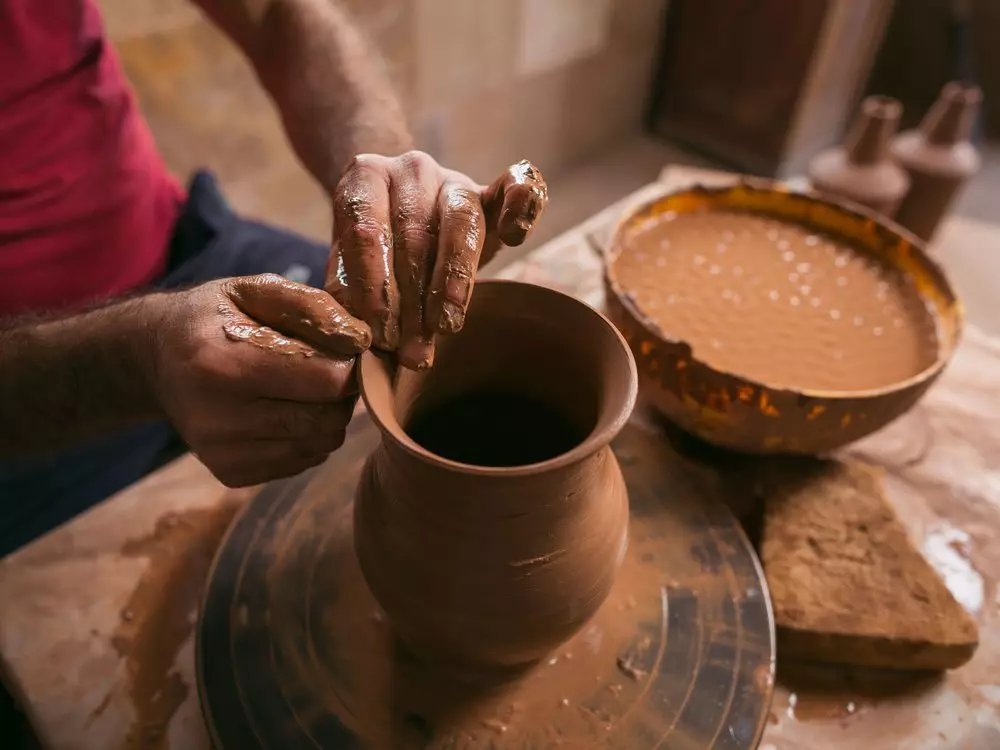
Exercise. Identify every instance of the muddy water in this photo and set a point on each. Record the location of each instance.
(777, 303)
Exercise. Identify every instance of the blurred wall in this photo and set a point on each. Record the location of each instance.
(485, 83)
(917, 57)
(552, 80)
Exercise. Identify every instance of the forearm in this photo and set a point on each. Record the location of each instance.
(329, 86)
(67, 378)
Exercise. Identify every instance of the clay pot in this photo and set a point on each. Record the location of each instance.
(939, 158)
(493, 536)
(862, 169)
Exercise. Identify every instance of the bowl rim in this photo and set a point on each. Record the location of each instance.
(853, 210)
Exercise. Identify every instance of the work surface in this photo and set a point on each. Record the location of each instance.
(97, 619)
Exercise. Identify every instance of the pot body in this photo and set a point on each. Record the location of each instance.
(491, 565)
(937, 174)
(862, 170)
(939, 158)
(489, 571)
(879, 186)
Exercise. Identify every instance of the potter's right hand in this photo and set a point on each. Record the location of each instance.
(409, 236)
(256, 374)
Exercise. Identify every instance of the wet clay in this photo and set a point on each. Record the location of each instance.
(296, 653)
(288, 318)
(515, 201)
(490, 565)
(158, 617)
(847, 584)
(776, 303)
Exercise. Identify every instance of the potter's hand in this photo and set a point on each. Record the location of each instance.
(409, 236)
(256, 374)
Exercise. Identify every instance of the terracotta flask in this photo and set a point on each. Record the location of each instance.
(862, 169)
(482, 569)
(938, 157)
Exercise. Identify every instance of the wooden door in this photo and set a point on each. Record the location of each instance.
(731, 74)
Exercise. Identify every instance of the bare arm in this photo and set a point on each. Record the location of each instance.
(329, 86)
(73, 377)
(255, 373)
(408, 234)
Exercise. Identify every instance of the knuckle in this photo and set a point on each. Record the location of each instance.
(464, 211)
(291, 422)
(267, 279)
(360, 162)
(366, 234)
(417, 164)
(356, 194)
(416, 237)
(367, 166)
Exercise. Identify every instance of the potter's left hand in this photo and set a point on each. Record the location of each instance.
(409, 236)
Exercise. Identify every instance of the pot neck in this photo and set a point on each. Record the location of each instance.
(868, 141)
(950, 120)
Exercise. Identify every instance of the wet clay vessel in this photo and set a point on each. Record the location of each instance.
(294, 653)
(771, 321)
(491, 521)
(862, 169)
(939, 158)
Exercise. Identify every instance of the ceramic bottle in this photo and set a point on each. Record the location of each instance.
(862, 169)
(486, 568)
(939, 158)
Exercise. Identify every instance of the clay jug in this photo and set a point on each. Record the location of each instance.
(862, 169)
(938, 157)
(492, 519)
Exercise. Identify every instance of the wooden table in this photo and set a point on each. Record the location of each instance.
(96, 619)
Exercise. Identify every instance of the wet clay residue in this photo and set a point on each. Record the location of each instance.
(524, 195)
(679, 655)
(586, 690)
(160, 614)
(265, 338)
(287, 318)
(776, 303)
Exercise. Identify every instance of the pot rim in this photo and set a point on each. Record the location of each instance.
(603, 433)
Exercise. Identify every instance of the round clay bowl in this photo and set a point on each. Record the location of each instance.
(728, 409)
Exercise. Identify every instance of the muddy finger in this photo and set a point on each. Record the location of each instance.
(362, 230)
(304, 313)
(514, 203)
(460, 241)
(413, 198)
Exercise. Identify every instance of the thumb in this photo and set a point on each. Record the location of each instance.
(513, 204)
(309, 315)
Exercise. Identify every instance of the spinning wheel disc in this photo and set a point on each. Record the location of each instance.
(294, 653)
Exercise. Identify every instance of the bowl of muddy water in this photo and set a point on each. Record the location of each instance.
(771, 321)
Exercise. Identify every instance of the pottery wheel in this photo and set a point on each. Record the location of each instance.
(294, 653)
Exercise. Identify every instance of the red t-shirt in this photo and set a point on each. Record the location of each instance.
(86, 204)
